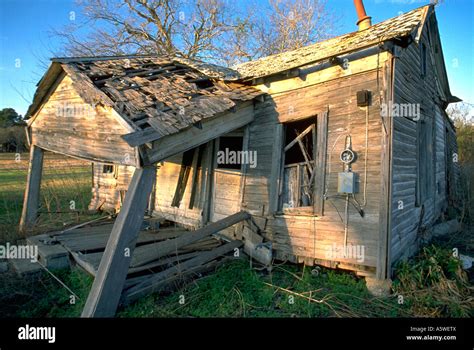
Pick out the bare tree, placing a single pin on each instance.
(168, 27)
(461, 113)
(214, 30)
(291, 24)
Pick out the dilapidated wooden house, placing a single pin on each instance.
(340, 151)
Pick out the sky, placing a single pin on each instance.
(26, 43)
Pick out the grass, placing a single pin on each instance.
(432, 284)
(236, 290)
(435, 285)
(43, 296)
(63, 180)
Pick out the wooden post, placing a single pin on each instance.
(32, 192)
(384, 240)
(277, 165)
(106, 290)
(321, 155)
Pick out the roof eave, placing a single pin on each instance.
(43, 86)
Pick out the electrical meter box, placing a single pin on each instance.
(347, 182)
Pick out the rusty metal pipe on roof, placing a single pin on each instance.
(363, 21)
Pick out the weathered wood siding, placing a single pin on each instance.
(226, 194)
(412, 88)
(108, 189)
(306, 238)
(166, 183)
(66, 124)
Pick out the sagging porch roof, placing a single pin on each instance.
(157, 96)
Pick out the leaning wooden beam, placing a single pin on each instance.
(321, 155)
(154, 282)
(191, 137)
(186, 163)
(72, 228)
(90, 264)
(299, 137)
(306, 158)
(160, 249)
(183, 278)
(32, 191)
(104, 296)
(194, 183)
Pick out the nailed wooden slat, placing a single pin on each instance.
(155, 282)
(320, 170)
(157, 250)
(103, 298)
(32, 191)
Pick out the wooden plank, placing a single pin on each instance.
(148, 251)
(191, 137)
(320, 170)
(306, 158)
(245, 166)
(104, 296)
(214, 174)
(183, 177)
(326, 72)
(383, 263)
(86, 262)
(196, 167)
(153, 283)
(227, 184)
(91, 262)
(32, 191)
(275, 179)
(98, 241)
(206, 188)
(158, 250)
(183, 278)
(298, 138)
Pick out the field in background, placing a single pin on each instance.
(65, 192)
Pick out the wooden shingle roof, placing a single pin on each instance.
(401, 26)
(163, 94)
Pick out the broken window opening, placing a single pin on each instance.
(229, 155)
(298, 161)
(108, 169)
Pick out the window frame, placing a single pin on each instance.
(319, 158)
(108, 169)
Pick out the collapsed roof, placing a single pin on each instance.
(165, 94)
